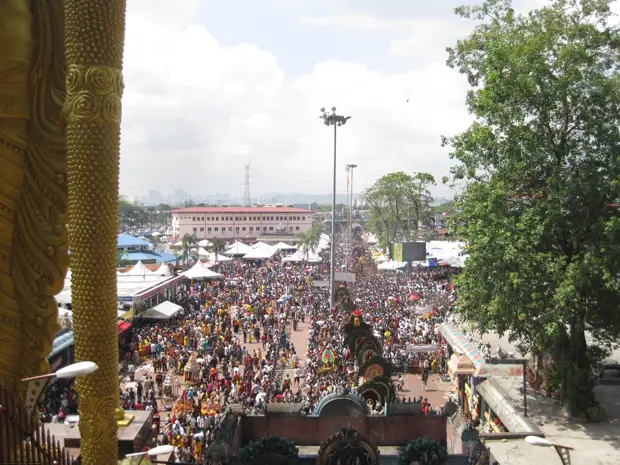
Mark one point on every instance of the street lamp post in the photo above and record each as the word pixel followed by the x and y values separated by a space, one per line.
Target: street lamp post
pixel 350 168
pixel 332 119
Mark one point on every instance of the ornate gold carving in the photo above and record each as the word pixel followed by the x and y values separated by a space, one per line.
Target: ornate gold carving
pixel 100 415
pixel 33 191
pixel 93 94
pixel 94 36
pixel 347 446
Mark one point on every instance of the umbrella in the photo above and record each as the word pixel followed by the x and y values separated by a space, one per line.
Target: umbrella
pixel 356 312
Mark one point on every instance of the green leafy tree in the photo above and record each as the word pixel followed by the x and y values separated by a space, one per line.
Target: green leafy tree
pixel 121 255
pixel 189 248
pixel 130 215
pixel 309 240
pixel 542 164
pixel 398 203
pixel 217 247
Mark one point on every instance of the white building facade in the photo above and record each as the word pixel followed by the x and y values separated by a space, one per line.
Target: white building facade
pixel 239 223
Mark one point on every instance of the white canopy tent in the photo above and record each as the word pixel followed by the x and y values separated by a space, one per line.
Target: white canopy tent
pixel 200 271
pixel 284 246
pixel 259 254
pixel 205 243
pixel 210 256
pixel 323 242
pixel 302 256
pixel 164 270
pixel 238 248
pixel 163 311
pixel 263 245
pixel 139 269
pixel 391 266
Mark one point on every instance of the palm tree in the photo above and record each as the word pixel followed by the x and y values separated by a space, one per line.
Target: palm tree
pixel 217 246
pixel 189 248
pixel 119 257
pixel 310 239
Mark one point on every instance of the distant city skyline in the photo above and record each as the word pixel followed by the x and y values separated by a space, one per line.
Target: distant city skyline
pixel 178 197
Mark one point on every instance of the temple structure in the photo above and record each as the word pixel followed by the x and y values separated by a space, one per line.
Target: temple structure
pixel 60 109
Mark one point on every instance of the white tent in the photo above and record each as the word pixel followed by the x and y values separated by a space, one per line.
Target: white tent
pixel 238 248
pixel 164 270
pixel 210 256
pixel 200 271
pixel 259 254
pixel 139 269
pixel 323 242
pixel 220 258
pixel 263 245
pixel 284 246
pixel 301 256
pixel 391 265
pixel 163 311
pixel 205 243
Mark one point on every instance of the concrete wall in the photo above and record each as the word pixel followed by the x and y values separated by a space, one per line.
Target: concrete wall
pixel 393 430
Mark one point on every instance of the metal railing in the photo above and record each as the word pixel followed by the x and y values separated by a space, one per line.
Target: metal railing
pixel 23 440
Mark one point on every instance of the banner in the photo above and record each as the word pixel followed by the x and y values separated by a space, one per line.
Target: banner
pixel 398 252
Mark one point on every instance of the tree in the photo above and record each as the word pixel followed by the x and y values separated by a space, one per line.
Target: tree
pixel 542 164
pixel 217 247
pixel 398 203
pixel 130 214
pixel 189 248
pixel 120 257
pixel 309 240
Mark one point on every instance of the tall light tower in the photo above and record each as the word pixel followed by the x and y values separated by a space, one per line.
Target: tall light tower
pixel 350 168
pixel 332 119
pixel 247 202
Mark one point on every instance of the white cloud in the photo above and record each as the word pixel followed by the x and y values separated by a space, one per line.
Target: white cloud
pixel 195 111
pixel 347 22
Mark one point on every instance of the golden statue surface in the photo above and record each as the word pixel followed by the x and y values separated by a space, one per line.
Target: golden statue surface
pixel 33 185
pixel 60 108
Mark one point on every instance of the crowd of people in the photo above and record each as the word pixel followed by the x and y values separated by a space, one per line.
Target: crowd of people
pixel 232 345
pixel 405 310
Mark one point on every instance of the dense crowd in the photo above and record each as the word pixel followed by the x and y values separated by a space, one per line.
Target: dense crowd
pixel 405 310
pixel 231 344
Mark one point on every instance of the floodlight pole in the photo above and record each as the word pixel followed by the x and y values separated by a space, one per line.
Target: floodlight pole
pixel 332 119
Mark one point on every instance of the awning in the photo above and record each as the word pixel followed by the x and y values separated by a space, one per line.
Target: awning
pixel 128 315
pixel 162 311
pixel 460 343
pixel 122 326
pixel 502 407
pixel 63 341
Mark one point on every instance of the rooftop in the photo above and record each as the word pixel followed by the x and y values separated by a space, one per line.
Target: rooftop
pixel 241 210
pixel 594 443
pixel 146 255
pixel 127 286
pixel 127 240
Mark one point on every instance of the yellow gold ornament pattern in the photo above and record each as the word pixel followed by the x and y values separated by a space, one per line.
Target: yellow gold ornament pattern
pixel 93 94
pixel 33 188
pixel 94 36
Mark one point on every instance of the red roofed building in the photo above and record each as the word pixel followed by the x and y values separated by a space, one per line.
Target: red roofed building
pixel 232 223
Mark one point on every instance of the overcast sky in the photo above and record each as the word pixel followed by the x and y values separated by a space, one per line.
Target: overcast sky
pixel 212 85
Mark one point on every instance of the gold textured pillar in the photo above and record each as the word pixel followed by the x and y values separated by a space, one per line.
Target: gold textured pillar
pixel 94 37
pixel 33 189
